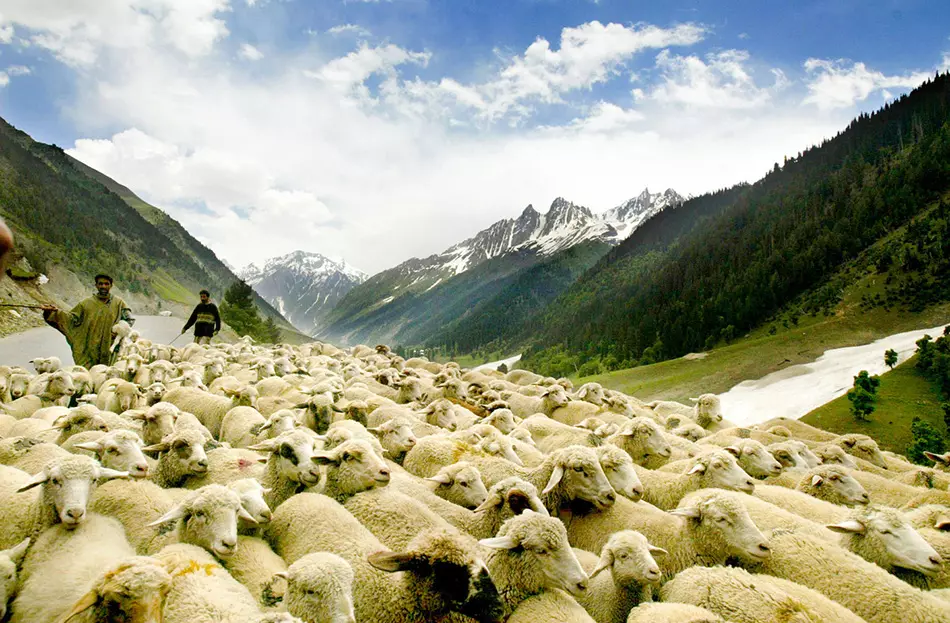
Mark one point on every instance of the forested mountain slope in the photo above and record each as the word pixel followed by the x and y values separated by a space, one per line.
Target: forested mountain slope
pixel 722 264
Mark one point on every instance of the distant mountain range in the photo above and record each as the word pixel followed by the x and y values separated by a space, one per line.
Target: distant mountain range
pixel 303 287
pixel 382 308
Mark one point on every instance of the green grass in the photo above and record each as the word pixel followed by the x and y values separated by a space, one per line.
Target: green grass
pixel 904 394
pixel 759 353
pixel 167 288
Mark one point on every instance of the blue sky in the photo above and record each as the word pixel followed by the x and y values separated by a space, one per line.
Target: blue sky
pixel 380 130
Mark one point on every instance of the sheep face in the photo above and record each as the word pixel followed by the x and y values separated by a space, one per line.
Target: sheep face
pixel 61 384
pixel 18 385
pixel 836 486
pixel 755 459
pixel 512 496
pixel 154 393
pixel 396 437
pixel 446 569
pixel 10 559
pixel 82 382
pixel 723 524
pixel 133 592
pixel 708 409
pixel 320 589
pixel 318 414
pixel 629 558
pixel 158 422
pixel 862 447
pixel 293 452
pixel 541 552
pixel 120 450
pixel 883 536
pixel 461 484
pixel 209 519
pixel 68 483
pixel 643 439
pixel 252 493
pixel 830 454
pixel 719 470
pixel 555 397
pixel 793 455
pixel 185 448
pixel 618 467
pixel 79 420
pixel 440 413
pixel 616 404
pixel 354 467
pixel 592 393
pixel 690 431
pixel 579 476
pixel 499 446
pixel 502 419
pixel 279 422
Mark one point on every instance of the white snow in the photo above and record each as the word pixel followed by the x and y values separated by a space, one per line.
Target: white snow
pixel 42 279
pixel 387 300
pixel 493 365
pixel 797 390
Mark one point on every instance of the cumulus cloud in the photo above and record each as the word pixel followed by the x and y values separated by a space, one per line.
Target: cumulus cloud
pixel 250 53
pixel 354 68
pixel 722 80
pixel 839 84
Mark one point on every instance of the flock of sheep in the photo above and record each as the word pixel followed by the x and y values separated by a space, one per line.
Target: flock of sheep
pixel 255 483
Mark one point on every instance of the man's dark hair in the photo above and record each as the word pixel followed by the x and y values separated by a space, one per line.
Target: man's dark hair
pixel 205 292
pixel 103 276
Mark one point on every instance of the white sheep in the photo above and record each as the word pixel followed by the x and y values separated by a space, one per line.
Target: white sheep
pixel 550 399
pixel 863 447
pixel 182 456
pixel 211 409
pixel 290 467
pixel 120 450
pixel 208 518
pixel 10 559
pixel 460 483
pixel 794 454
pixel 672 613
pixel 136 504
pixel 625 576
pixel 320 588
pixel 89 574
pixel 717 469
pixel 255 565
pixel 892 493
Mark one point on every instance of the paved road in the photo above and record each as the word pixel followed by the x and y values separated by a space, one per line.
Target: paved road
pixel 20 348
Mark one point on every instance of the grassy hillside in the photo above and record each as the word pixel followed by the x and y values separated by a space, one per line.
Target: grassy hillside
pixel 663 294
pixel 904 394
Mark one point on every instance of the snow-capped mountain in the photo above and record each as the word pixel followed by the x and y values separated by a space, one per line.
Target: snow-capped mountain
pixel 303 286
pixel 534 234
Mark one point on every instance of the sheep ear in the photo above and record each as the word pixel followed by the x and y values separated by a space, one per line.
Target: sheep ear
pixel 38 479
pixel 269 445
pixel 657 550
pixel 688 512
pixel 699 468
pixel 943 459
pixel 442 479
pixel 61 422
pixel 850 442
pixel 390 562
pixel 136 415
pixel 848 527
pixel 942 523
pixel 733 451
pixel 282 574
pixel 499 542
pixel 490 502
pixel 18 551
pixel 325 458
pixel 92 446
pixel 694 399
pixel 337 409
pixel 605 563
pixel 161 446
pixel 816 480
pixel 174 514
pixel 555 478
pixel 246 516
pixel 87 601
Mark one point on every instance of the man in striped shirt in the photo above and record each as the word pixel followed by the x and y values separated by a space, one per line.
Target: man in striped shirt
pixel 206 319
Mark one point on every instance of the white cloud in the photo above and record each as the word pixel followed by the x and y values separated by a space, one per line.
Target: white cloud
pixel 836 84
pixel 4 79
pixel 354 68
pixel 945 63
pixel 353 29
pixel 723 80
pixel 76 31
pixel 6 32
pixel 608 117
pixel 250 53
pixel 18 70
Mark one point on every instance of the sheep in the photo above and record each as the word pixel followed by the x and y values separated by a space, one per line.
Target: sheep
pixel 800 430
pixel 941 461
pixel 549 434
pixel 592 393
pixel 320 589
pixel 523 406
pixel 706 412
pixel 746 598
pixel 28 454
pixel 157 422
pixel 532 560
pixel 201 590
pixel 396 437
pixel 19 384
pixel 502 419
pixel 462 583
pixel 120 450
pixel 672 613
pixel 255 565
pixel 241 426
pixel 925 477
pixel 929 516
pixel 118 396
pixel 290 466
pixel 351 467
pixel 208 518
pixel 834 484
pixel 522 377
pixel 226 465
pixel 793 454
pixel 631 573
pixel 104 580
pixel 708 527
pixel 182 456
pixel 831 454
pixel 717 469
pixel 136 504
pixel 892 493
pixel 460 483
pixel 394 517
pixel 44 390
pixel 211 409
pixel 862 587
pixel 884 536
pixel 862 447
pixel 10 559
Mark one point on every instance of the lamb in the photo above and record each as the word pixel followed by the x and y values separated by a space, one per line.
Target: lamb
pixel 201 590
pixel 462 583
pixel 672 613
pixel 620 472
pixel 19 384
pixel 747 598
pixel 861 586
pixel 533 562
pixel 46 364
pixel 120 450
pixel 755 459
pixel 628 557
pixel 290 467
pixel 834 484
pixel 708 527
pixel 523 406
pixel 182 456
pixel 320 588
pixel 10 559
pixel 211 409
pixel 717 469
pixel 884 536
pixel 862 447
pixel 105 580
pixel 208 518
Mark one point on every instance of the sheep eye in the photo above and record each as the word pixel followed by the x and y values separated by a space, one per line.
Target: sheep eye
pixel 578 469
pixel 886 532
pixel 111 451
pixel 463 484
pixel 722 520
pixel 833 478
pixel 56 482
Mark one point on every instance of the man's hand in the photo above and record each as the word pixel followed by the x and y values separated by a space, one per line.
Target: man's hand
pixel 183 331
